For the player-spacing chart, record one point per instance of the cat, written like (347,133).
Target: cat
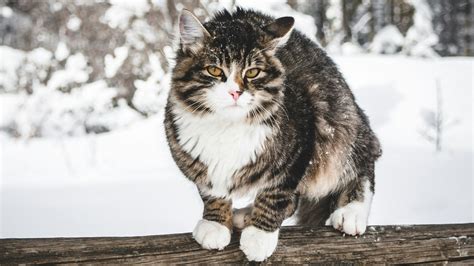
(255,107)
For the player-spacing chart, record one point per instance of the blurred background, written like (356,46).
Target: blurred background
(83,84)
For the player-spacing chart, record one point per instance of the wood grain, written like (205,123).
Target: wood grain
(380,244)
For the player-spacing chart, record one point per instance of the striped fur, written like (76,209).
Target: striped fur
(295,138)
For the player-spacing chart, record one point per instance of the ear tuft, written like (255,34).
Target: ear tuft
(190,29)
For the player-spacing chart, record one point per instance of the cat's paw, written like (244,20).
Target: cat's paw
(257,244)
(211,235)
(350,219)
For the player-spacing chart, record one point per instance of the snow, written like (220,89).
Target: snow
(54,114)
(125,182)
(9,104)
(6,12)
(40,57)
(150,96)
(121,11)
(421,37)
(48,100)
(334,33)
(113,118)
(113,63)
(75,71)
(388,40)
(74,23)
(141,33)
(62,52)
(349,48)
(95,185)
(11,61)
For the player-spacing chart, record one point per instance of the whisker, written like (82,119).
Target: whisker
(273,120)
(285,112)
(194,107)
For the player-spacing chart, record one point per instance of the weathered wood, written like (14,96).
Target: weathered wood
(380,244)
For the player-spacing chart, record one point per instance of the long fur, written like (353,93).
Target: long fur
(295,137)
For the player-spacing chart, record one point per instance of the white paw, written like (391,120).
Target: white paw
(351,219)
(257,244)
(211,235)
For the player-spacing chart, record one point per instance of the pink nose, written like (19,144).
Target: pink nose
(235,94)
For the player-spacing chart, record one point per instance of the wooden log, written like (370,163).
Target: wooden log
(380,244)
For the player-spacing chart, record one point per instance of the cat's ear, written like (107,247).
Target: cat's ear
(279,31)
(192,32)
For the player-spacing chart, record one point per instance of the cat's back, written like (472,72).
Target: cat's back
(306,63)
(313,74)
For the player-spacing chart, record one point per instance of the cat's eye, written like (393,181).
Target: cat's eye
(252,73)
(214,71)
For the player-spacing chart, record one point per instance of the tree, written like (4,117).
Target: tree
(436,122)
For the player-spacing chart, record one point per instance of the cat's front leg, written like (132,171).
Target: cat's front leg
(214,230)
(260,237)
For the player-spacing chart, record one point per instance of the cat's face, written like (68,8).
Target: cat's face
(229,69)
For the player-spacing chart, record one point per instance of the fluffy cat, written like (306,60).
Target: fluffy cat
(256,107)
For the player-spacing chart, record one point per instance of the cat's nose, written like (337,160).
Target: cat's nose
(235,94)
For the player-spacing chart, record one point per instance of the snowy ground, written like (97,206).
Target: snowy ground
(125,182)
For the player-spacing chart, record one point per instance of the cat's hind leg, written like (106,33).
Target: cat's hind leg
(354,206)
(241,217)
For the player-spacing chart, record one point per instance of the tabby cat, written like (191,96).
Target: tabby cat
(257,108)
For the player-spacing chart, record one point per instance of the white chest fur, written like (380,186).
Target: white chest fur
(224,146)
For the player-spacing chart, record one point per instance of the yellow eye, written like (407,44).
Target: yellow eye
(252,73)
(214,71)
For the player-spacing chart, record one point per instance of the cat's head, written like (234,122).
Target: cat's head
(227,66)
